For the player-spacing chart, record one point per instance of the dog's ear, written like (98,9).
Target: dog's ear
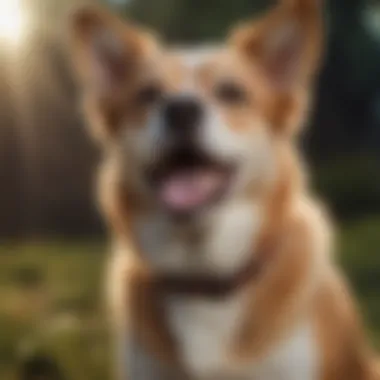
(104,49)
(285,45)
(106,53)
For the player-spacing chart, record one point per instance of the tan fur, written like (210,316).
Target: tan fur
(301,282)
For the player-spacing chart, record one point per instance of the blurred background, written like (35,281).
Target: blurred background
(53,244)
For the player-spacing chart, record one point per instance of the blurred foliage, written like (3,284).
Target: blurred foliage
(350,185)
(189,21)
(360,258)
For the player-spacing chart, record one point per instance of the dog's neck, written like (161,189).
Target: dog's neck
(219,244)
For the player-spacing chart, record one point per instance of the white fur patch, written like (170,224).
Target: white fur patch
(294,359)
(231,241)
(226,246)
(195,56)
(204,330)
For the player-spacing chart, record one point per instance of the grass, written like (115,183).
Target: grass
(51,305)
(360,259)
(51,300)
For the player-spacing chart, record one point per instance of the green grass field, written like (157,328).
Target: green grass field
(51,300)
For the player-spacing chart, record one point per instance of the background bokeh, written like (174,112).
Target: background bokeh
(52,240)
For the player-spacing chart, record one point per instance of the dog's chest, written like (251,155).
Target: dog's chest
(204,328)
(204,331)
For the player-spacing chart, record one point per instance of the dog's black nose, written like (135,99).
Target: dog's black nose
(182,116)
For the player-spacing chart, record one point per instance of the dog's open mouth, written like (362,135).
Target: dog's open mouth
(188,180)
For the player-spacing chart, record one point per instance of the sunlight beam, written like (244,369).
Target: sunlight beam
(12,20)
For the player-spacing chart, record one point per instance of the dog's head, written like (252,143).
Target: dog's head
(190,128)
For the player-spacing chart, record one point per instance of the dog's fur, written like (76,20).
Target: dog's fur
(296,319)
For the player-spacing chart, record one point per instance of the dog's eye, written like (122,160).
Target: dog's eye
(149,94)
(230,93)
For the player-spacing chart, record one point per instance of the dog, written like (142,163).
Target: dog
(222,262)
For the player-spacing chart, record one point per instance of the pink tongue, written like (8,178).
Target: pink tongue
(184,191)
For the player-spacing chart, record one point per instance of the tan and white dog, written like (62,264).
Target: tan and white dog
(221,264)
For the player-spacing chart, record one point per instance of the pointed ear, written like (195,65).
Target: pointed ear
(285,46)
(104,50)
